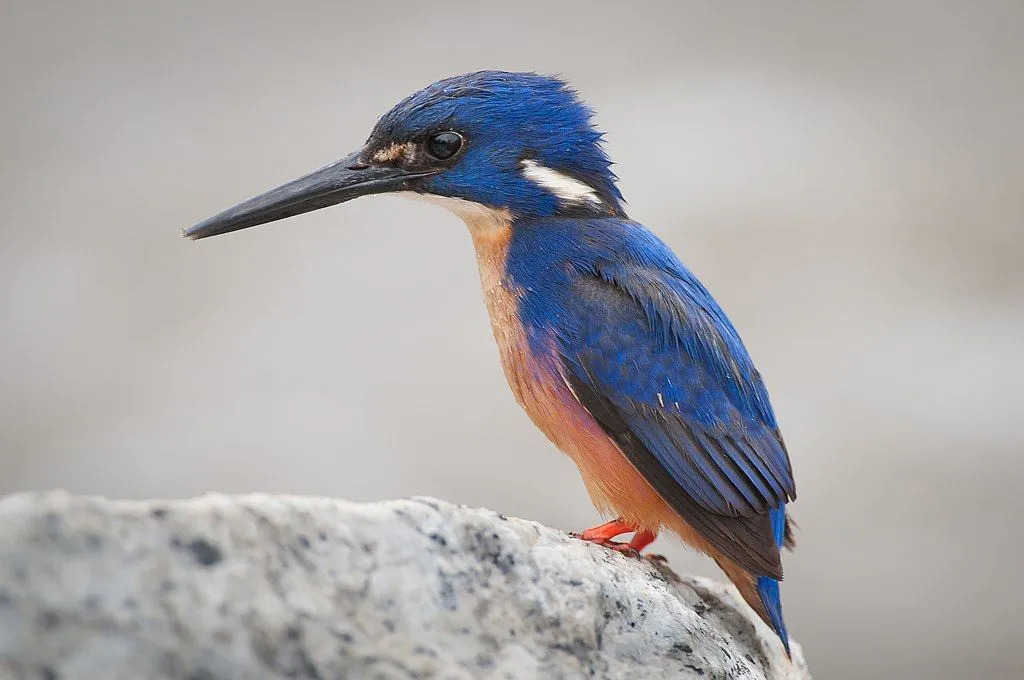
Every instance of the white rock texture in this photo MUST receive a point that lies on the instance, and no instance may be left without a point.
(226, 588)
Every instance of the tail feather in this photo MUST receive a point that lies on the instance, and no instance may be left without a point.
(762, 592)
(768, 590)
(767, 587)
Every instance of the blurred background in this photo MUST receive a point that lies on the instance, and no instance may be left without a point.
(847, 178)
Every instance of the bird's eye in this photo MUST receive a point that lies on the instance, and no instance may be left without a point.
(444, 145)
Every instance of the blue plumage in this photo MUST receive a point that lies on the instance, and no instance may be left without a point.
(611, 344)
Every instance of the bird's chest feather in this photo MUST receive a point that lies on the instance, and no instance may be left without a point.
(532, 378)
(532, 369)
(534, 373)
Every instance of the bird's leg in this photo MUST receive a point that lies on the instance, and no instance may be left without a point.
(603, 535)
(642, 539)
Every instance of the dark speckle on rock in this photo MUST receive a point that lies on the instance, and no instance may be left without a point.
(429, 503)
(682, 647)
(158, 513)
(488, 547)
(577, 648)
(52, 524)
(575, 582)
(447, 593)
(47, 673)
(698, 671)
(49, 619)
(304, 542)
(204, 552)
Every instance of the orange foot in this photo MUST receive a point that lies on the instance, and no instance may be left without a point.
(603, 535)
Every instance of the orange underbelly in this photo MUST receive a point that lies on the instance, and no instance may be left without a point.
(614, 485)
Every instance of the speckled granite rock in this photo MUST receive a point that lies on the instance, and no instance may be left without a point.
(282, 587)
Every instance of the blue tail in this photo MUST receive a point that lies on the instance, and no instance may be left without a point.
(768, 588)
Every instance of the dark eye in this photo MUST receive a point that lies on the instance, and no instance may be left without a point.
(444, 145)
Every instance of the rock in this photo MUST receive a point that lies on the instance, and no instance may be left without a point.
(220, 588)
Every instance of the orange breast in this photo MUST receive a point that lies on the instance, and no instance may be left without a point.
(615, 486)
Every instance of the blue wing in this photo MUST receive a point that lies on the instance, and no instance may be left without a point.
(657, 363)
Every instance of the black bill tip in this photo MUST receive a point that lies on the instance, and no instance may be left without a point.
(336, 183)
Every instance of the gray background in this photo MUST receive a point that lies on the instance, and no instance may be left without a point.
(845, 178)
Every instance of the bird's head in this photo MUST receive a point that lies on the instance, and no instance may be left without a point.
(519, 143)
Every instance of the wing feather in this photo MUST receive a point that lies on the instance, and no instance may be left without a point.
(658, 365)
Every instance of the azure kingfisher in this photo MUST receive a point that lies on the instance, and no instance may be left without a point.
(610, 343)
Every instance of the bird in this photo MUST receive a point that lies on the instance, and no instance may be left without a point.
(612, 346)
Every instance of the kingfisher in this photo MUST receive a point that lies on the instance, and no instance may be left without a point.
(610, 344)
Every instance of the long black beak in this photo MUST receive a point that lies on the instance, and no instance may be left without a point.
(338, 182)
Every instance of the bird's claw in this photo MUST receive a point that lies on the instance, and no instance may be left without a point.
(618, 546)
(622, 548)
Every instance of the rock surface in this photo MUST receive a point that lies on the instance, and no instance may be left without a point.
(220, 588)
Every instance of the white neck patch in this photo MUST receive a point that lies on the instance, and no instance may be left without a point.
(481, 219)
(566, 188)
